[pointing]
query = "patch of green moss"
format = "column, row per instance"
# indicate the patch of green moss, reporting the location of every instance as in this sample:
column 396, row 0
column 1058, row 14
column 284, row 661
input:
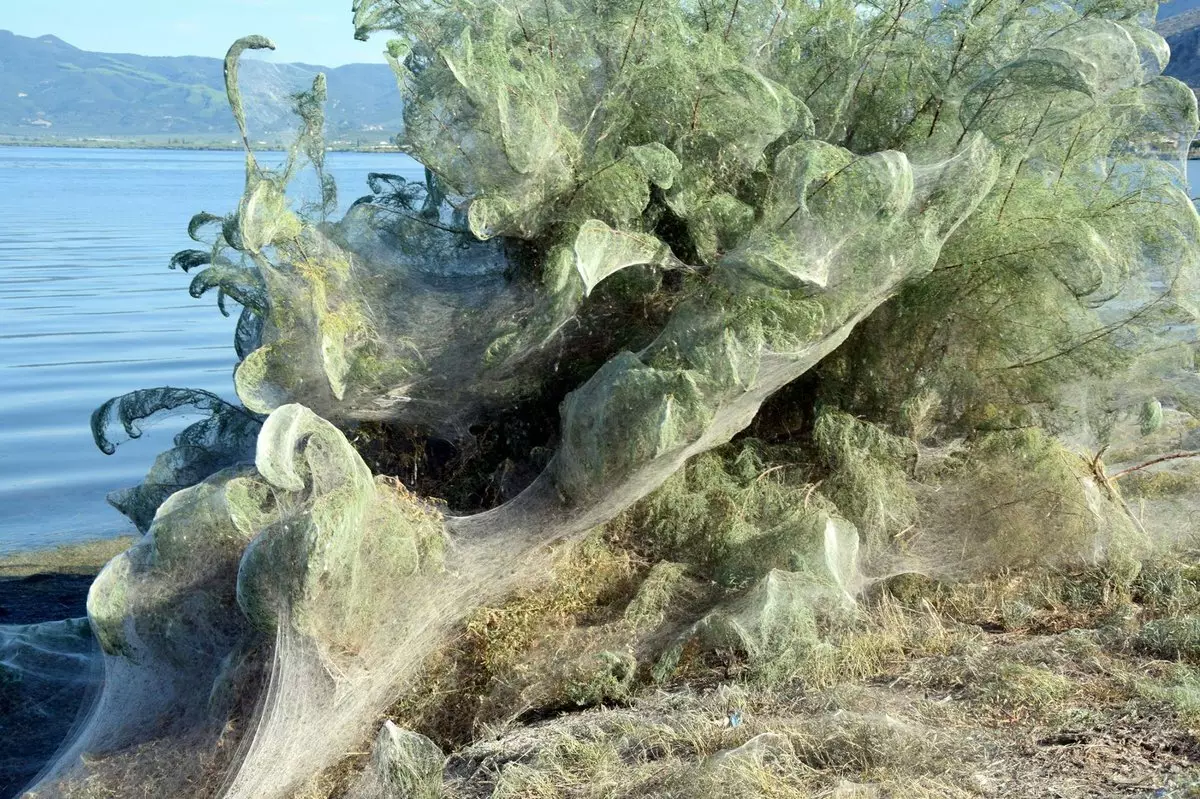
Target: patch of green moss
column 1179, row 689
column 1171, row 638
column 1018, row 685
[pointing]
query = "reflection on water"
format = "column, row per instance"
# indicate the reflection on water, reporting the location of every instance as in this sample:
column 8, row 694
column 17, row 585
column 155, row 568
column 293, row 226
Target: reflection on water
column 88, row 310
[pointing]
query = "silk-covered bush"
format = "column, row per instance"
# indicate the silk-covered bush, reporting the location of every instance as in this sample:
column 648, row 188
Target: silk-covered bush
column 641, row 220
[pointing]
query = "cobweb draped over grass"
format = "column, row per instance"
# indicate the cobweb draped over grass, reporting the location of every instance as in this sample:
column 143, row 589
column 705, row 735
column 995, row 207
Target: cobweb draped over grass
column 658, row 215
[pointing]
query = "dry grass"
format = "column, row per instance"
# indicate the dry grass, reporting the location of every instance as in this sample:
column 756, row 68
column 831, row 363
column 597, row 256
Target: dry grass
column 1171, row 638
column 1160, row 483
column 682, row 746
column 463, row 686
column 186, row 766
column 87, row 557
column 896, row 700
column 914, row 697
column 930, row 690
column 1178, row 688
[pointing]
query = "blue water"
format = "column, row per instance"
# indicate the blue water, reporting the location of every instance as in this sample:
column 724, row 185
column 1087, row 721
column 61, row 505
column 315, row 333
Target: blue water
column 89, row 310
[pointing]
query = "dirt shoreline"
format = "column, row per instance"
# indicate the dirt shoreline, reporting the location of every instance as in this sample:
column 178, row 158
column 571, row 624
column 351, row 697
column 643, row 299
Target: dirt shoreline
column 85, row 557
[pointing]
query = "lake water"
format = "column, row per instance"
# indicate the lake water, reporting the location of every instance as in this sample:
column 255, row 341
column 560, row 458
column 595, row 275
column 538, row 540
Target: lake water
column 89, row 310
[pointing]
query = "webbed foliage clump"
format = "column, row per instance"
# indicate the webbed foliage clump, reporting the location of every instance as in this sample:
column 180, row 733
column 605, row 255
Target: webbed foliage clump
column 733, row 515
column 951, row 220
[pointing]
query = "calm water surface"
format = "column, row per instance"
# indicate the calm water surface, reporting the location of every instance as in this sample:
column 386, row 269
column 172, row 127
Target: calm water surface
column 89, row 310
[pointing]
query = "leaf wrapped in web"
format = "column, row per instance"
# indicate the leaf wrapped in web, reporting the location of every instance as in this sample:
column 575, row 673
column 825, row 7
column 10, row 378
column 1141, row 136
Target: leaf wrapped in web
column 225, row 438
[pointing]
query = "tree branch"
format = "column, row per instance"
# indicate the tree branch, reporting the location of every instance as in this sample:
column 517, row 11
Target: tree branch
column 1174, row 456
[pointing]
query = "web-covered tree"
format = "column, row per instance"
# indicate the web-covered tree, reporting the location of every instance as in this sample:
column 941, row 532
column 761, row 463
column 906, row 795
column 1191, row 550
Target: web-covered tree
column 651, row 216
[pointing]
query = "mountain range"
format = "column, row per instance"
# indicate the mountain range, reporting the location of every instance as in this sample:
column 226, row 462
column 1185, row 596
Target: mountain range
column 50, row 88
column 1181, row 29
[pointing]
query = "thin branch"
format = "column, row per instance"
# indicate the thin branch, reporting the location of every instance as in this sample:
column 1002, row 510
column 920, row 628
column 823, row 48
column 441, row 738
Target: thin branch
column 817, row 190
column 774, row 23
column 1174, row 456
column 1100, row 333
column 632, row 32
column 549, row 27
column 1017, row 173
column 729, row 27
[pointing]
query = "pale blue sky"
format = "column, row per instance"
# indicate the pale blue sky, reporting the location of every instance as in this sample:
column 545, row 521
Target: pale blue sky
column 312, row 31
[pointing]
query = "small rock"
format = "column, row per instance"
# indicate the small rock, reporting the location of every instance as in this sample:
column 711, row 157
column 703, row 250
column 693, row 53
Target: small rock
column 854, row 790
column 408, row 765
column 764, row 748
column 909, row 588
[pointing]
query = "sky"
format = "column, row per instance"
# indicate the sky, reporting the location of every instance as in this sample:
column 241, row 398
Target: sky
column 313, row 31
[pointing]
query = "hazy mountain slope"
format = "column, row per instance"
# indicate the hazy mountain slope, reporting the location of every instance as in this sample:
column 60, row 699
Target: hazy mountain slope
column 1176, row 7
column 1182, row 32
column 48, row 86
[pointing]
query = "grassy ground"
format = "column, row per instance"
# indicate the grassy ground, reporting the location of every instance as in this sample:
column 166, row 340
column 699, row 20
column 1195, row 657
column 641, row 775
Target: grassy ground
column 1026, row 684
column 1045, row 684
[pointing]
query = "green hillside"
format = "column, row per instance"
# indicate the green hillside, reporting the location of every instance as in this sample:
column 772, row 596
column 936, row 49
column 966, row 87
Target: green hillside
column 49, row 88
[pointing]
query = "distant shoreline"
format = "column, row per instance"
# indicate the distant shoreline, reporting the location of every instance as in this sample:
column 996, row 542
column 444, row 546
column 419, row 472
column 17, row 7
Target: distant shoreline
column 181, row 144
column 223, row 146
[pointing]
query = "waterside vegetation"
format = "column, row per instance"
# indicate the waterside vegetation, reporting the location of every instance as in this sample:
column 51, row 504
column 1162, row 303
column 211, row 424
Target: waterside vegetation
column 752, row 400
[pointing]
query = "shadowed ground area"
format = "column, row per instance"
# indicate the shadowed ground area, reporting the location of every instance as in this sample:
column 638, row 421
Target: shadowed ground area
column 49, row 674
column 43, row 597
column 48, row 667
